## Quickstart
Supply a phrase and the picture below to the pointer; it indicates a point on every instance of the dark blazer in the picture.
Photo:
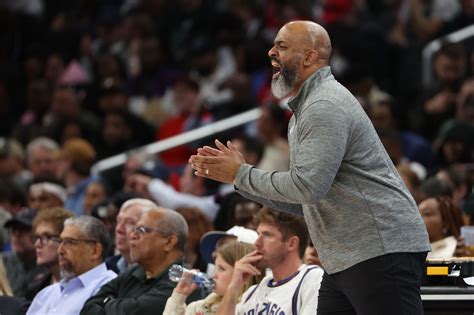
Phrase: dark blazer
(10, 305)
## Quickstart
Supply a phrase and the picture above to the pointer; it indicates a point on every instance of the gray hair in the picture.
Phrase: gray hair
(146, 204)
(41, 142)
(173, 223)
(92, 228)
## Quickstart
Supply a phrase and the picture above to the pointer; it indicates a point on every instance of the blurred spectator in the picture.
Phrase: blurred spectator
(439, 103)
(252, 148)
(8, 304)
(12, 162)
(188, 113)
(21, 262)
(272, 128)
(453, 143)
(211, 66)
(12, 197)
(198, 225)
(156, 242)
(195, 192)
(84, 244)
(96, 191)
(113, 98)
(109, 69)
(129, 214)
(75, 162)
(465, 102)
(42, 156)
(280, 246)
(458, 179)
(235, 209)
(38, 100)
(5, 288)
(311, 256)
(43, 195)
(411, 180)
(226, 257)
(212, 240)
(154, 74)
(47, 226)
(428, 17)
(382, 113)
(443, 221)
(435, 187)
(116, 135)
(69, 128)
(54, 68)
(391, 140)
(66, 106)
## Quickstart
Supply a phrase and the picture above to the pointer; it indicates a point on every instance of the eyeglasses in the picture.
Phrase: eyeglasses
(70, 242)
(45, 238)
(142, 230)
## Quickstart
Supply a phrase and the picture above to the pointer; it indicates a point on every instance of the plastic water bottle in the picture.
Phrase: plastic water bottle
(176, 273)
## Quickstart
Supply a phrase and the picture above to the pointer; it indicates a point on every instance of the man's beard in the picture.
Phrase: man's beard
(287, 79)
(67, 271)
(66, 274)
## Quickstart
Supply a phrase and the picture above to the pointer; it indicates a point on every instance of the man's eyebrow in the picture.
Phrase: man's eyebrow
(280, 41)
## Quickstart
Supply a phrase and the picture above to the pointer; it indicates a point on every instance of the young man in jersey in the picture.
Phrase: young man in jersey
(292, 288)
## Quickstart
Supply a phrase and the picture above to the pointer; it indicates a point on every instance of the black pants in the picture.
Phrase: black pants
(384, 285)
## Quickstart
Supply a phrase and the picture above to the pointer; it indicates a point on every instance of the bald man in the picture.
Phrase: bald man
(362, 219)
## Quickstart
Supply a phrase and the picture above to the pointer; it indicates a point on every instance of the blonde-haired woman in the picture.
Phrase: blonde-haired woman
(226, 256)
(10, 305)
(5, 288)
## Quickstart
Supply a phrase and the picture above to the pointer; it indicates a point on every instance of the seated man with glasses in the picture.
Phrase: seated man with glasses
(156, 243)
(83, 246)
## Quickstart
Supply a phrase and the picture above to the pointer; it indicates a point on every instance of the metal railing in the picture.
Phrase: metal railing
(192, 135)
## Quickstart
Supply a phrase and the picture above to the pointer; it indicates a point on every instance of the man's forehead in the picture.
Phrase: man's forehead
(267, 227)
(151, 217)
(133, 210)
(71, 231)
(291, 36)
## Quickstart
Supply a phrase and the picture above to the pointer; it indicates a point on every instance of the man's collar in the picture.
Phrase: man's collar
(305, 89)
(87, 277)
(140, 273)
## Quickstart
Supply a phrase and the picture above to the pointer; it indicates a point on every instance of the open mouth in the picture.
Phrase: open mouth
(276, 70)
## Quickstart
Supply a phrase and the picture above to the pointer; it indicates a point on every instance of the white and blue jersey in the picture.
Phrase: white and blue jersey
(297, 294)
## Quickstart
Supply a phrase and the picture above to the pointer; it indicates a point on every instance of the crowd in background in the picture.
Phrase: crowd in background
(82, 80)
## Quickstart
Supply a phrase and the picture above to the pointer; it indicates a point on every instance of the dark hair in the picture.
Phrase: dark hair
(11, 192)
(289, 225)
(278, 116)
(434, 187)
(458, 178)
(451, 50)
(225, 218)
(451, 215)
(252, 145)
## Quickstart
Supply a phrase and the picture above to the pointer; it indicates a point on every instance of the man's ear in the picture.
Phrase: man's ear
(171, 243)
(97, 252)
(311, 57)
(293, 243)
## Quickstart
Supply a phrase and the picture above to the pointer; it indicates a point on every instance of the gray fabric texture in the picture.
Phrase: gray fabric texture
(341, 178)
